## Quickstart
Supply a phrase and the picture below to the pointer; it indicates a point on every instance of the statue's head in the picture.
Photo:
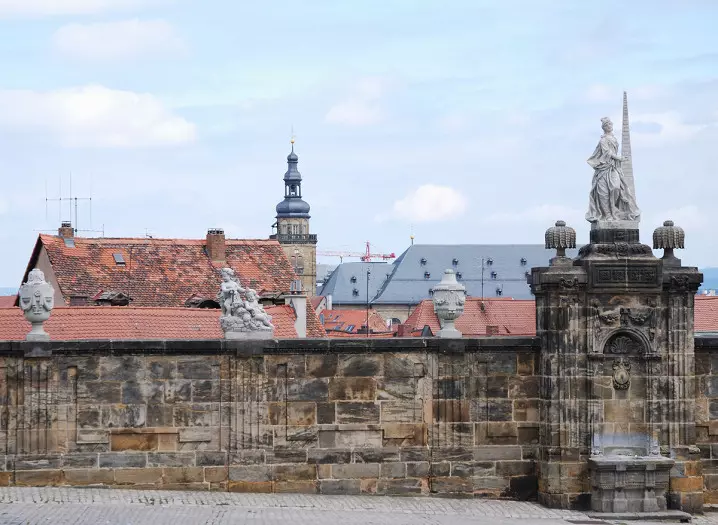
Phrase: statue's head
(36, 276)
(227, 274)
(606, 125)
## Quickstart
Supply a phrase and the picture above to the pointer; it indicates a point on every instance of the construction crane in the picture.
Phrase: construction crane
(367, 256)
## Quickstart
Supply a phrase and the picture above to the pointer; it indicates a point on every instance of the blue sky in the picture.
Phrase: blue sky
(460, 121)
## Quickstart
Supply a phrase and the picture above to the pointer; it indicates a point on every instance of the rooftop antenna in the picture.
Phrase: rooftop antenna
(411, 236)
(72, 206)
(482, 284)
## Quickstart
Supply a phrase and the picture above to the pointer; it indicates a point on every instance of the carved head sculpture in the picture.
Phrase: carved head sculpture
(36, 301)
(606, 125)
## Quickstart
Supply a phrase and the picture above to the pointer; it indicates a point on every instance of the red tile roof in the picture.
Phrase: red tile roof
(7, 301)
(161, 272)
(344, 335)
(510, 316)
(316, 301)
(341, 320)
(118, 323)
(705, 315)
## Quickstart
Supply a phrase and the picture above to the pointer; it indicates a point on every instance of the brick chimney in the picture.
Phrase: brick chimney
(216, 248)
(66, 231)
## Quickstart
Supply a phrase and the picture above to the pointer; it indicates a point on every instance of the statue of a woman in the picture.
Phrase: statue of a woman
(610, 199)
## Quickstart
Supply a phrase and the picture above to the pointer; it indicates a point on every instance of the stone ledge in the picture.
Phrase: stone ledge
(202, 347)
(666, 515)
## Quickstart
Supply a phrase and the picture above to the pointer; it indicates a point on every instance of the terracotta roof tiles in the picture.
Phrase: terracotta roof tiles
(509, 316)
(352, 320)
(162, 272)
(121, 323)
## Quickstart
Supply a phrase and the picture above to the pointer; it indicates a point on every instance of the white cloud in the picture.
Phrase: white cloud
(544, 215)
(666, 128)
(34, 8)
(95, 116)
(430, 203)
(363, 107)
(117, 40)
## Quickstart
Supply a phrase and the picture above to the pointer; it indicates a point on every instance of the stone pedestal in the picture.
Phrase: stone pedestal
(617, 360)
(621, 484)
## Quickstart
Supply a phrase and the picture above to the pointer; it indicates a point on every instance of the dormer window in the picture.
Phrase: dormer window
(499, 291)
(455, 261)
(458, 276)
(427, 275)
(489, 261)
(355, 292)
(353, 279)
(423, 261)
(523, 261)
(494, 275)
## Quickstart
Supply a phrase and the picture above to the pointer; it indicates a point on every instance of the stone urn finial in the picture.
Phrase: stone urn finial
(669, 237)
(449, 298)
(37, 298)
(560, 237)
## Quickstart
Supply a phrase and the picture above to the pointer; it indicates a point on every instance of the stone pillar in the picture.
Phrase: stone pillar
(617, 366)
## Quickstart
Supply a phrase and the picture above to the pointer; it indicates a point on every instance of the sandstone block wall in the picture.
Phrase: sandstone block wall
(396, 416)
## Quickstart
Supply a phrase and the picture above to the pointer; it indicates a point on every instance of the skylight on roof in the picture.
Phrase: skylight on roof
(70, 243)
(119, 259)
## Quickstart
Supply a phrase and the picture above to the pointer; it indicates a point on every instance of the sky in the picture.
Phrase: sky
(464, 121)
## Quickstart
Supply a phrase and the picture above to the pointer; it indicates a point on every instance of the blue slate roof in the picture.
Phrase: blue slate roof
(422, 266)
(351, 276)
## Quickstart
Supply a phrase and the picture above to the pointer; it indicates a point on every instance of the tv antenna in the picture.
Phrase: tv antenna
(70, 204)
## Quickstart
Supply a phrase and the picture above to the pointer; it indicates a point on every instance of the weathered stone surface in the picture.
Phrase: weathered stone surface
(350, 412)
(122, 460)
(352, 388)
(341, 486)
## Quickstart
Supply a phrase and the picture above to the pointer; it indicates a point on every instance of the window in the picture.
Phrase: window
(489, 261)
(458, 276)
(499, 291)
(494, 275)
(355, 292)
(119, 259)
(427, 275)
(423, 261)
(523, 261)
(78, 300)
(353, 279)
(455, 261)
(70, 243)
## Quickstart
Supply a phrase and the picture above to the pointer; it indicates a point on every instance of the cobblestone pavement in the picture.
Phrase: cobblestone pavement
(132, 507)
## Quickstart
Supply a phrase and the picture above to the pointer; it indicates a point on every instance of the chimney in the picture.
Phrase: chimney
(298, 301)
(66, 231)
(329, 301)
(215, 245)
(401, 330)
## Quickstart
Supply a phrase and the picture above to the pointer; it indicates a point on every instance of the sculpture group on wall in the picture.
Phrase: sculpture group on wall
(241, 311)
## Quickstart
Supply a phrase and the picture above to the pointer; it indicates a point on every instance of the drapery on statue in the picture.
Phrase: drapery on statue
(611, 199)
(240, 314)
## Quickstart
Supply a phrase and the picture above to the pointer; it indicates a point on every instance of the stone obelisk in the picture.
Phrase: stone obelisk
(627, 165)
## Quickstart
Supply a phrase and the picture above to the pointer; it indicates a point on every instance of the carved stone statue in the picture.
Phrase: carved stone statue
(611, 198)
(242, 315)
(37, 298)
(449, 299)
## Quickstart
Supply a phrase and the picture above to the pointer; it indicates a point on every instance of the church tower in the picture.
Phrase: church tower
(293, 228)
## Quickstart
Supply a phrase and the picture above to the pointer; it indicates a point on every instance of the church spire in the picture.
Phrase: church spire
(627, 165)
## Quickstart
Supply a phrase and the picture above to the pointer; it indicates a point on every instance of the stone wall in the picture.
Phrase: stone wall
(706, 354)
(394, 416)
